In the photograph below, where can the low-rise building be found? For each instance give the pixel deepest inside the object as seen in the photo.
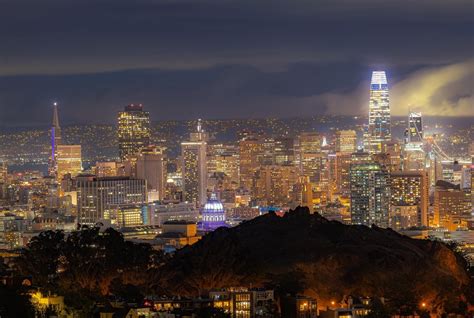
(242, 302)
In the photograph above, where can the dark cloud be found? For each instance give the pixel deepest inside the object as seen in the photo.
(205, 58)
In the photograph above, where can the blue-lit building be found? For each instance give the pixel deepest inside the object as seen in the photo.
(379, 128)
(213, 214)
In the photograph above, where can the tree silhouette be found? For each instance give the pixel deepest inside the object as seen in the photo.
(83, 264)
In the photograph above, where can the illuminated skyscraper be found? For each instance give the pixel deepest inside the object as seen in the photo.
(309, 156)
(151, 167)
(3, 172)
(284, 151)
(224, 159)
(346, 141)
(451, 206)
(3, 179)
(273, 184)
(414, 155)
(379, 130)
(414, 133)
(133, 130)
(194, 167)
(342, 173)
(68, 161)
(106, 169)
(55, 140)
(303, 192)
(251, 153)
(370, 194)
(409, 189)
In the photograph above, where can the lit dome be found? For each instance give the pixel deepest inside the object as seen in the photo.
(213, 214)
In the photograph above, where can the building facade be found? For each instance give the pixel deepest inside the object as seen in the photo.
(68, 161)
(133, 130)
(370, 194)
(97, 197)
(151, 167)
(409, 189)
(346, 141)
(379, 128)
(451, 206)
(194, 167)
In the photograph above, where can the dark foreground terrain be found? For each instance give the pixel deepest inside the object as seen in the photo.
(303, 252)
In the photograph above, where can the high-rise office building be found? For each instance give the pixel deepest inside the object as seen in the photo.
(379, 128)
(309, 142)
(303, 193)
(106, 169)
(342, 169)
(68, 161)
(273, 184)
(3, 179)
(409, 189)
(310, 158)
(3, 172)
(133, 130)
(451, 206)
(194, 167)
(98, 198)
(284, 151)
(472, 183)
(346, 141)
(414, 158)
(414, 132)
(224, 159)
(251, 152)
(151, 167)
(370, 194)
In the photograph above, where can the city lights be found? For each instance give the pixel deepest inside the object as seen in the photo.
(236, 159)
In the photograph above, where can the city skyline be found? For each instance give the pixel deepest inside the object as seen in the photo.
(236, 158)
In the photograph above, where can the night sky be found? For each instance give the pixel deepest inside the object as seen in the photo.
(186, 59)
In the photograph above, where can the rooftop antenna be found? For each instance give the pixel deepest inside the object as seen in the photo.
(199, 125)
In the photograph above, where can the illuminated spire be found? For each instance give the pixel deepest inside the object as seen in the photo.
(55, 139)
(325, 142)
(55, 115)
(199, 126)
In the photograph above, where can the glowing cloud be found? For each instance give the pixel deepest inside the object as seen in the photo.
(437, 91)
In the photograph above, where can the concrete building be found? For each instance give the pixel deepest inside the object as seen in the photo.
(151, 167)
(98, 196)
(452, 206)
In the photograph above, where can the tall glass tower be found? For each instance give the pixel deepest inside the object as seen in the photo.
(370, 194)
(194, 166)
(378, 131)
(415, 128)
(133, 130)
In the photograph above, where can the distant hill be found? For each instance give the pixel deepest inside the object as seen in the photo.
(305, 253)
